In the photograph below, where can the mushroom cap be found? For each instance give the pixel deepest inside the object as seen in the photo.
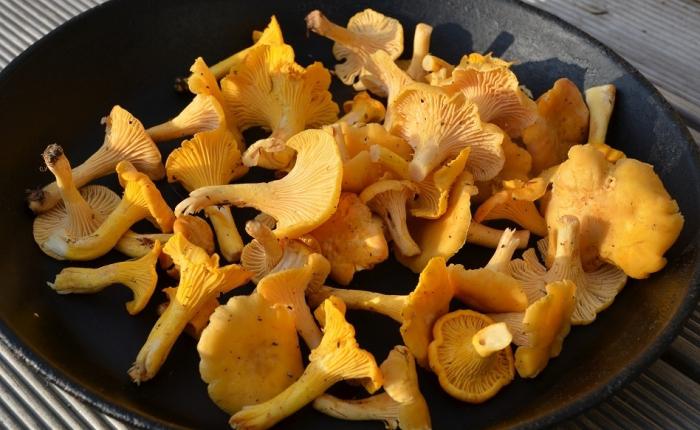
(367, 32)
(425, 304)
(387, 186)
(434, 190)
(363, 109)
(562, 122)
(486, 290)
(248, 353)
(263, 253)
(140, 190)
(438, 126)
(627, 217)
(209, 158)
(101, 200)
(515, 202)
(547, 322)
(461, 370)
(446, 235)
(196, 230)
(301, 201)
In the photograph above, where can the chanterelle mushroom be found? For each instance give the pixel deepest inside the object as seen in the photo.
(466, 373)
(201, 279)
(516, 202)
(388, 199)
(211, 158)
(362, 109)
(595, 290)
(438, 126)
(203, 113)
(196, 231)
(627, 217)
(138, 275)
(270, 90)
(416, 311)
(248, 353)
(367, 32)
(141, 199)
(338, 357)
(125, 139)
(301, 201)
(352, 239)
(491, 288)
(562, 121)
(79, 213)
(401, 405)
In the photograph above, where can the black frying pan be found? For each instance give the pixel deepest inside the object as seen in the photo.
(128, 52)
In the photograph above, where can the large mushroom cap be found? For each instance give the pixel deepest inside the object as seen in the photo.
(438, 126)
(462, 371)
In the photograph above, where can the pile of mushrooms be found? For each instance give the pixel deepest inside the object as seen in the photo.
(453, 148)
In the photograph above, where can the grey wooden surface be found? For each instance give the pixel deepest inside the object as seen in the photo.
(660, 37)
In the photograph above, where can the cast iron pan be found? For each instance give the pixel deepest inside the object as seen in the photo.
(128, 52)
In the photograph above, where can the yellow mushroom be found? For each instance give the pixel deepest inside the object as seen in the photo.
(495, 90)
(196, 231)
(141, 200)
(600, 101)
(203, 113)
(138, 275)
(248, 353)
(136, 245)
(562, 121)
(595, 290)
(401, 405)
(286, 288)
(352, 239)
(444, 236)
(516, 202)
(125, 139)
(367, 32)
(491, 288)
(338, 357)
(79, 213)
(627, 217)
(388, 199)
(301, 201)
(434, 190)
(416, 311)
(201, 279)
(211, 158)
(463, 371)
(439, 126)
(362, 109)
(270, 90)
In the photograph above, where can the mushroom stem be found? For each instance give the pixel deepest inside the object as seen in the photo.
(390, 160)
(395, 220)
(137, 275)
(385, 304)
(160, 341)
(566, 244)
(230, 242)
(136, 245)
(319, 24)
(203, 113)
(421, 46)
(482, 235)
(600, 101)
(500, 261)
(379, 407)
(491, 339)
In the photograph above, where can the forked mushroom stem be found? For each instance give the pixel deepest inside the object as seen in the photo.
(488, 237)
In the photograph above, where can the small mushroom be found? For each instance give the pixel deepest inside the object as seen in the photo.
(595, 290)
(337, 358)
(562, 121)
(439, 126)
(362, 109)
(249, 352)
(491, 288)
(352, 239)
(270, 90)
(367, 32)
(138, 275)
(416, 311)
(79, 213)
(141, 200)
(516, 202)
(388, 199)
(211, 158)
(125, 139)
(469, 374)
(201, 279)
(301, 201)
(401, 405)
